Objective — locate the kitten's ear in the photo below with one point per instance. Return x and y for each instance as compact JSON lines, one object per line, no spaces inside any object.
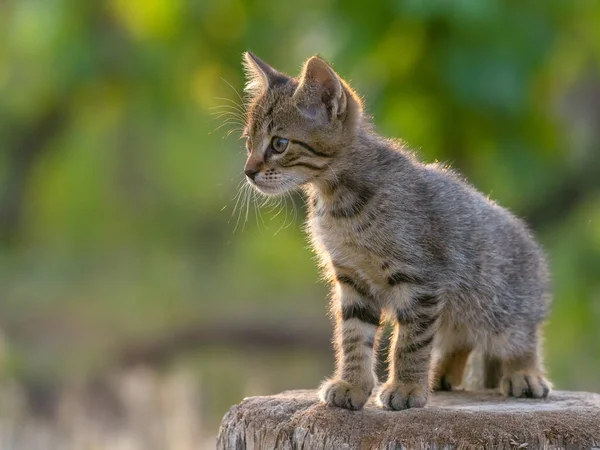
{"x":259,"y":75}
{"x":320,"y":93}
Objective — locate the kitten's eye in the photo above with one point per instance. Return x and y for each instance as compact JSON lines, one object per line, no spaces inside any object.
{"x":279,"y":144}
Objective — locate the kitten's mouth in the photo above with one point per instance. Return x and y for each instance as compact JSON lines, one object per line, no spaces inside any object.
{"x":264,"y":188}
{"x":268,"y":189}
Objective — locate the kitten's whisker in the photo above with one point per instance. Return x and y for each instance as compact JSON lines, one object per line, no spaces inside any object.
{"x":235,"y":107}
{"x":230,"y":100}
{"x":230,"y":114}
{"x":279,"y":206}
{"x":247,"y":208}
{"x":227,"y":122}
{"x":295,"y":218}
{"x":258,"y":212}
{"x":287,"y":196}
{"x":233,"y":130}
{"x":220,"y":126}
{"x":242,"y":200}
{"x":229,"y":117}
{"x":228,"y":111}
{"x":235,"y":110}
{"x":293,"y":207}
{"x":266,"y":201}
{"x":230,"y":121}
{"x":234,"y":90}
{"x":273,"y":203}
{"x":282,"y":227}
{"x":237,"y":198}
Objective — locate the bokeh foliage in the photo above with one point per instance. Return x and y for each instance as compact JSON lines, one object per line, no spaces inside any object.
{"x":116,"y":190}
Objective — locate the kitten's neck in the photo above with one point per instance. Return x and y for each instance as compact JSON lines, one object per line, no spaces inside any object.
{"x":353,"y":175}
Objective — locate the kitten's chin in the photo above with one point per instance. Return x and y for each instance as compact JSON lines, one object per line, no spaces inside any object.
{"x":271,"y":190}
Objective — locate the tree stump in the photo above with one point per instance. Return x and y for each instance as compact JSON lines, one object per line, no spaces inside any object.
{"x":452,"y":420}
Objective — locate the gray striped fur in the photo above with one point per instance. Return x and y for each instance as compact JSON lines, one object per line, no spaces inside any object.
{"x":415,"y":242}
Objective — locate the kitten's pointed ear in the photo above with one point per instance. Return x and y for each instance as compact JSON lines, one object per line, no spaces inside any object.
{"x":259,"y":75}
{"x":320,"y":93}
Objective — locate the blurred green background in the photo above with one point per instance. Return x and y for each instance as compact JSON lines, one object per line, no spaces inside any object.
{"x":119,"y":250}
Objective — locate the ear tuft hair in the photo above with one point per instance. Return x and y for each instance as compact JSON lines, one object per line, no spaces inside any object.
{"x":320,"y":87}
{"x":259,"y":75}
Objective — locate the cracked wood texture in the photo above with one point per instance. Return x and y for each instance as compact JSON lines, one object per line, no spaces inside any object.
{"x":452,"y":420}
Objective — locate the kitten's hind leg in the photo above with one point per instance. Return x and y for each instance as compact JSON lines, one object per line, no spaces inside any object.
{"x":523,"y":374}
{"x":522,"y":378}
{"x":449,"y":369}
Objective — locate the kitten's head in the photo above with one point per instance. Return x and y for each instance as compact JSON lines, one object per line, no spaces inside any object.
{"x":296,"y":126}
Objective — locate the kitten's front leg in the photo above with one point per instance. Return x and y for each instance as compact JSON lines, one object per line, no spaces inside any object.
{"x":357,"y":319}
{"x":410,"y":355}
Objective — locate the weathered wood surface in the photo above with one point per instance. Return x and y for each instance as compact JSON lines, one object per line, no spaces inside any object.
{"x":453,"y":420}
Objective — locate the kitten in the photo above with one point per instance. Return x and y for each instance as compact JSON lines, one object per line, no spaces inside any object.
{"x":411,"y":241}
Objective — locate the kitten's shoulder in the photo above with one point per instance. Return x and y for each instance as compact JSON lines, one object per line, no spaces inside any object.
{"x":444,"y":171}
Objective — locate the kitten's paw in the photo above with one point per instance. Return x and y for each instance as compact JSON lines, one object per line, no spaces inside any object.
{"x":525,"y":384}
{"x":343,"y":394}
{"x":400,"y":396}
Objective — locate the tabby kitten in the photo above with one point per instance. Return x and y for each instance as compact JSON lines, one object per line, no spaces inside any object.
{"x":399,"y":239}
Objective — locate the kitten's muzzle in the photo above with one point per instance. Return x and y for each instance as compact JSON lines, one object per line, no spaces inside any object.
{"x":251,"y":173}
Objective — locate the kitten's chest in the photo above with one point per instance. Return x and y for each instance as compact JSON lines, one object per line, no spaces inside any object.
{"x":349,"y":249}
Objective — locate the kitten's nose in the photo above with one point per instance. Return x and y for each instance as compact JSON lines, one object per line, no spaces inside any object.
{"x":251,"y":173}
